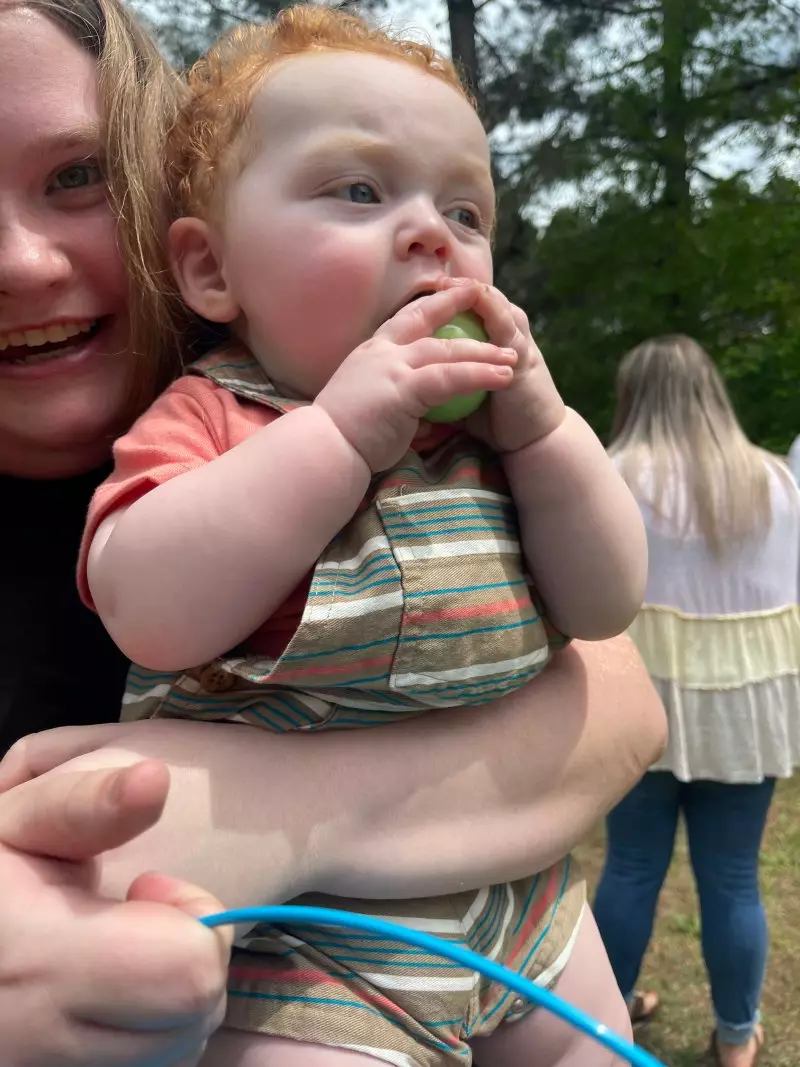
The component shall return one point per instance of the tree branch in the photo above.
(744, 61)
(603, 7)
(604, 75)
(747, 85)
(225, 12)
(704, 173)
(495, 53)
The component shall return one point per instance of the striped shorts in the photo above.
(395, 1002)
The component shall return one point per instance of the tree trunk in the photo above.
(676, 198)
(461, 17)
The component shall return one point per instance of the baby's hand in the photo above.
(384, 387)
(531, 407)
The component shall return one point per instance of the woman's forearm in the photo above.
(497, 793)
(454, 799)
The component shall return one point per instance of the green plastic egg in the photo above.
(465, 324)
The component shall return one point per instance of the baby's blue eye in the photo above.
(464, 217)
(358, 193)
(78, 176)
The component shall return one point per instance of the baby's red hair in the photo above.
(223, 82)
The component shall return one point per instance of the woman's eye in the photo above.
(77, 176)
(464, 217)
(358, 193)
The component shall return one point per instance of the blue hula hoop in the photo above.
(282, 914)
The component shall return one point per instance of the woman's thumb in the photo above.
(75, 815)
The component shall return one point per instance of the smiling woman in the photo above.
(73, 311)
(65, 361)
(59, 266)
(66, 351)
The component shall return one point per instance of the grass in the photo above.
(679, 1035)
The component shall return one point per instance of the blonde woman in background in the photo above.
(794, 458)
(720, 634)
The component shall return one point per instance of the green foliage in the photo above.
(633, 106)
(753, 242)
(602, 283)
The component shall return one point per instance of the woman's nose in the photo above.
(29, 259)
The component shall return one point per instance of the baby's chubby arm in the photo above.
(197, 564)
(582, 533)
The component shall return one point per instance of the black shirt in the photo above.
(58, 666)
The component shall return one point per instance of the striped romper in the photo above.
(421, 602)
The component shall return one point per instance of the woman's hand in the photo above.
(85, 980)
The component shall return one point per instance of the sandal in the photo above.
(644, 1006)
(758, 1035)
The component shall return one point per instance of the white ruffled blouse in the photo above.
(721, 640)
(794, 459)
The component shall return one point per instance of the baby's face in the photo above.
(370, 181)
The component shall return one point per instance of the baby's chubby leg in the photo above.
(541, 1039)
(235, 1048)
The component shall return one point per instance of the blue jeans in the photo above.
(724, 824)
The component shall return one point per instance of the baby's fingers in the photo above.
(424, 316)
(438, 383)
(430, 350)
(505, 324)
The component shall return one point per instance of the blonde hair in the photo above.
(223, 83)
(674, 417)
(139, 99)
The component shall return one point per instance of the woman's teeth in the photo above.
(27, 345)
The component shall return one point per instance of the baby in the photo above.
(287, 541)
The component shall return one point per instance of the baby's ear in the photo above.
(198, 271)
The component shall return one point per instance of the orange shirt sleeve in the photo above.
(189, 425)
